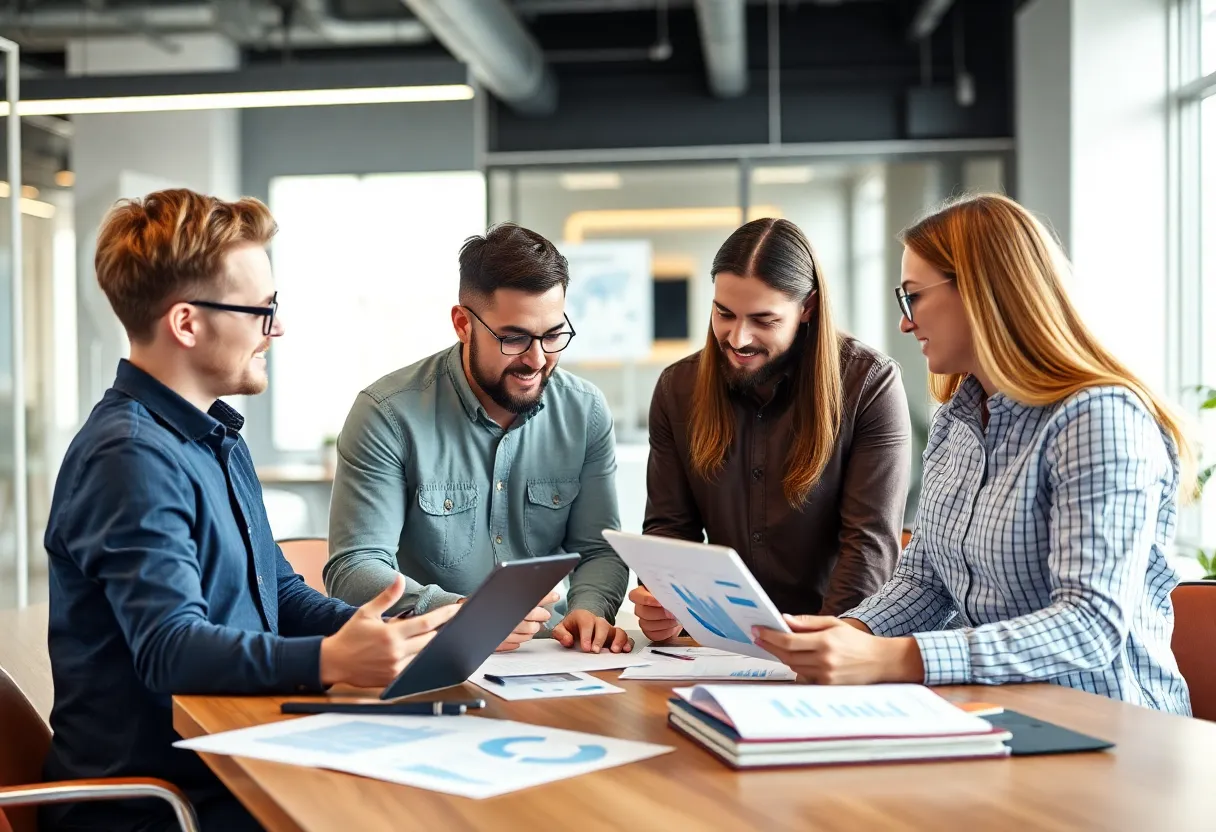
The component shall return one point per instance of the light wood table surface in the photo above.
(1161, 776)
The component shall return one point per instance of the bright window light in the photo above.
(367, 273)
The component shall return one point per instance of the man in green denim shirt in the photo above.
(483, 453)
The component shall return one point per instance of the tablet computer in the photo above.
(487, 617)
(707, 588)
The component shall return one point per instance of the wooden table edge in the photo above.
(236, 779)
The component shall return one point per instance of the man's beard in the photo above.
(497, 390)
(741, 380)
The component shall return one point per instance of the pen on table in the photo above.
(674, 655)
(394, 709)
(498, 680)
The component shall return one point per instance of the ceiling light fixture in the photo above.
(239, 100)
(782, 175)
(605, 180)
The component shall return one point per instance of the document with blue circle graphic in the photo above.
(707, 588)
(463, 755)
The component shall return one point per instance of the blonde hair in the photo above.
(151, 252)
(1028, 336)
(776, 252)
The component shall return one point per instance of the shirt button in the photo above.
(259, 580)
(757, 473)
(557, 499)
(501, 485)
(447, 505)
(757, 537)
(498, 539)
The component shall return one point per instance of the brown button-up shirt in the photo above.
(842, 544)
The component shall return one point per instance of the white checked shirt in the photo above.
(1038, 552)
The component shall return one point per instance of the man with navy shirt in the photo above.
(164, 575)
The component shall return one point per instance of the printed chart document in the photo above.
(463, 755)
(707, 588)
(544, 685)
(734, 668)
(546, 655)
(846, 711)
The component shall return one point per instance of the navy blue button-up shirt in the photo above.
(164, 579)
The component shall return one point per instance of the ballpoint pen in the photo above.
(392, 709)
(673, 655)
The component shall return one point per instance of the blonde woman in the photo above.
(1051, 483)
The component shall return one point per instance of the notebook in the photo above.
(750, 726)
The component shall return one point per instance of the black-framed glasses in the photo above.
(520, 344)
(267, 312)
(904, 298)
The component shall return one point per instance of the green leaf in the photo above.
(1202, 479)
(1210, 402)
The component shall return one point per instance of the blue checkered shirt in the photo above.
(1038, 553)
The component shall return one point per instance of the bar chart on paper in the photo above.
(707, 588)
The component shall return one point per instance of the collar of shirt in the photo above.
(468, 399)
(970, 396)
(178, 414)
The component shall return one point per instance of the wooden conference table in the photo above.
(1161, 776)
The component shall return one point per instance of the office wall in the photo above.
(1044, 111)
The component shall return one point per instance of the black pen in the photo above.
(374, 708)
(673, 655)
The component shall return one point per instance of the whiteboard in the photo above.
(610, 300)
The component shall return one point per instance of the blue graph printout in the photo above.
(521, 749)
(801, 709)
(353, 737)
(712, 616)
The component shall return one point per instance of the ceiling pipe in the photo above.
(502, 55)
(927, 17)
(55, 27)
(723, 27)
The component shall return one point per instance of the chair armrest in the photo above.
(106, 788)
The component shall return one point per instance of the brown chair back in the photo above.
(1194, 643)
(26, 741)
(307, 556)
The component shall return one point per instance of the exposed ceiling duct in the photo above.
(927, 17)
(245, 23)
(723, 26)
(488, 37)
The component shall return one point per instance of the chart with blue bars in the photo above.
(712, 614)
(801, 709)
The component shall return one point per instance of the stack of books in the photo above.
(750, 726)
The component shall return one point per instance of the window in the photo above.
(367, 274)
(1207, 35)
(1194, 185)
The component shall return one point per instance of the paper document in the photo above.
(847, 711)
(707, 588)
(665, 652)
(546, 655)
(463, 755)
(544, 685)
(737, 668)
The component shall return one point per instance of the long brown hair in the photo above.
(1029, 338)
(776, 252)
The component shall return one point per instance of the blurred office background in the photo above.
(636, 134)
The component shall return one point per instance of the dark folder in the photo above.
(1037, 736)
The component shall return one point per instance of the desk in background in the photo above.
(1158, 777)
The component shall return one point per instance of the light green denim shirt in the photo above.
(429, 485)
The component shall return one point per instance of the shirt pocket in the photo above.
(545, 514)
(447, 524)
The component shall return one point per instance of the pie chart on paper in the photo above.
(524, 750)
